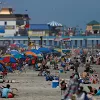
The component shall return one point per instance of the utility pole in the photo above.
(29, 41)
(41, 40)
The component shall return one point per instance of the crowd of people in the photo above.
(67, 62)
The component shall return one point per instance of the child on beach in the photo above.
(7, 92)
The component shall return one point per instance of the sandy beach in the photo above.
(34, 87)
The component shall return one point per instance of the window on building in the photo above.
(20, 22)
(27, 22)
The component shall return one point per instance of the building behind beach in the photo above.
(16, 28)
(93, 27)
(13, 24)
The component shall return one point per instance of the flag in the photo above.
(57, 39)
(66, 39)
(27, 26)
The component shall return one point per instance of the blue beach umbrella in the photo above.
(1, 67)
(36, 51)
(14, 52)
(44, 50)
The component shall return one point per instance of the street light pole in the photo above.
(28, 40)
(41, 40)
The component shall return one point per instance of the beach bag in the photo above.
(10, 95)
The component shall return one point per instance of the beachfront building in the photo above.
(13, 24)
(16, 28)
(37, 30)
(93, 28)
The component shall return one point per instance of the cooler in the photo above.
(55, 83)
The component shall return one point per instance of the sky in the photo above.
(67, 12)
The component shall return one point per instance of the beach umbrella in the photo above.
(14, 52)
(55, 24)
(18, 56)
(21, 45)
(55, 51)
(1, 58)
(1, 67)
(1, 62)
(29, 53)
(58, 50)
(40, 56)
(36, 51)
(8, 59)
(13, 45)
(45, 50)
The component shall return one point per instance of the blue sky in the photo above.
(68, 12)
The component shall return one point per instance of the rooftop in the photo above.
(6, 11)
(93, 22)
(17, 16)
(39, 27)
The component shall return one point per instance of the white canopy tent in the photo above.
(55, 24)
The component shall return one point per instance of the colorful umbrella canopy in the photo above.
(9, 59)
(40, 56)
(18, 56)
(1, 67)
(36, 51)
(13, 45)
(1, 62)
(55, 51)
(7, 56)
(30, 53)
(14, 52)
(44, 50)
(21, 45)
(1, 58)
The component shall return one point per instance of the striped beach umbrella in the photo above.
(55, 24)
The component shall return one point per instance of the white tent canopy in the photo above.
(55, 24)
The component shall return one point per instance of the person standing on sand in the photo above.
(76, 65)
(72, 87)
